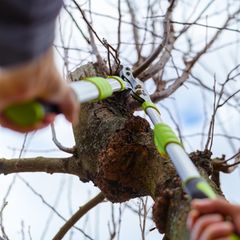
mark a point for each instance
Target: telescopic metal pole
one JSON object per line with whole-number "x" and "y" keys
{"x": 183, "y": 164}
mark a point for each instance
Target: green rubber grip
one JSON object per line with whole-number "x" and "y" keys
{"x": 198, "y": 188}
{"x": 163, "y": 135}
{"x": 234, "y": 237}
{"x": 25, "y": 114}
{"x": 121, "y": 82}
{"x": 206, "y": 189}
{"x": 147, "y": 105}
{"x": 103, "y": 86}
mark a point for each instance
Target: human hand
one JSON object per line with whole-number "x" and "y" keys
{"x": 206, "y": 219}
{"x": 38, "y": 79}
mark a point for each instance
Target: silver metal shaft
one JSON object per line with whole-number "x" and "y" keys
{"x": 154, "y": 116}
{"x": 87, "y": 91}
{"x": 183, "y": 164}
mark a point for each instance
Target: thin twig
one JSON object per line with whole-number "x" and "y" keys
{"x": 134, "y": 29}
{"x": 92, "y": 32}
{"x": 75, "y": 22}
{"x": 50, "y": 206}
{"x": 51, "y": 215}
{"x": 190, "y": 64}
{"x": 58, "y": 144}
{"x": 119, "y": 26}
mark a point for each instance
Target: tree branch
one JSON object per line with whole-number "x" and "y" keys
{"x": 189, "y": 65}
{"x": 134, "y": 29}
{"x": 40, "y": 164}
{"x": 81, "y": 212}
{"x": 58, "y": 144}
{"x": 158, "y": 50}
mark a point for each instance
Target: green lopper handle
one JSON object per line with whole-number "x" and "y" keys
{"x": 29, "y": 113}
{"x": 234, "y": 237}
{"x": 163, "y": 135}
{"x": 198, "y": 188}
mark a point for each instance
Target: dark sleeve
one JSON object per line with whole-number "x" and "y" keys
{"x": 26, "y": 29}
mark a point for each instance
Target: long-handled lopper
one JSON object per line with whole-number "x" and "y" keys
{"x": 97, "y": 88}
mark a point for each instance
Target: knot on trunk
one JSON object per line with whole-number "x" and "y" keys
{"x": 165, "y": 194}
{"x": 160, "y": 210}
{"x": 124, "y": 165}
{"x": 202, "y": 159}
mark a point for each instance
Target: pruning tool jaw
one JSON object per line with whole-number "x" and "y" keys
{"x": 133, "y": 84}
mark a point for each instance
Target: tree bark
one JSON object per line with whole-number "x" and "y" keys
{"x": 116, "y": 152}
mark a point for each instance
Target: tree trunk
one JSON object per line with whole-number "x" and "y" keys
{"x": 115, "y": 151}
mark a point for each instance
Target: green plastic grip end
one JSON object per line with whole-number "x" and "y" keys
{"x": 103, "y": 86}
{"x": 206, "y": 189}
{"x": 147, "y": 105}
{"x": 121, "y": 82}
{"x": 163, "y": 135}
{"x": 25, "y": 114}
{"x": 234, "y": 237}
{"x": 198, "y": 188}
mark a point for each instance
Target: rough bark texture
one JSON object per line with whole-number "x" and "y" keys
{"x": 116, "y": 151}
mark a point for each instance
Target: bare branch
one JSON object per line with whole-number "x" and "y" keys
{"x": 143, "y": 216}
{"x": 212, "y": 122}
{"x": 81, "y": 212}
{"x": 221, "y": 165}
{"x": 1, "y": 221}
{"x": 54, "y": 205}
{"x": 206, "y": 26}
{"x": 76, "y": 24}
{"x": 158, "y": 50}
{"x": 112, "y": 230}
{"x": 50, "y": 206}
{"x": 92, "y": 33}
{"x": 189, "y": 65}
{"x": 39, "y": 164}
{"x": 134, "y": 29}
{"x": 58, "y": 144}
{"x": 119, "y": 26}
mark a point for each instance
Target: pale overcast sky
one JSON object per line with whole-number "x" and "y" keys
{"x": 67, "y": 193}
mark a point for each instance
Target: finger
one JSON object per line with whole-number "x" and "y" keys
{"x": 202, "y": 223}
{"x": 57, "y": 91}
{"x": 18, "y": 85}
{"x": 217, "y": 230}
{"x": 14, "y": 98}
{"x": 210, "y": 206}
{"x": 219, "y": 205}
{"x": 236, "y": 220}
{"x": 70, "y": 106}
{"x": 192, "y": 217}
{"x": 52, "y": 86}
